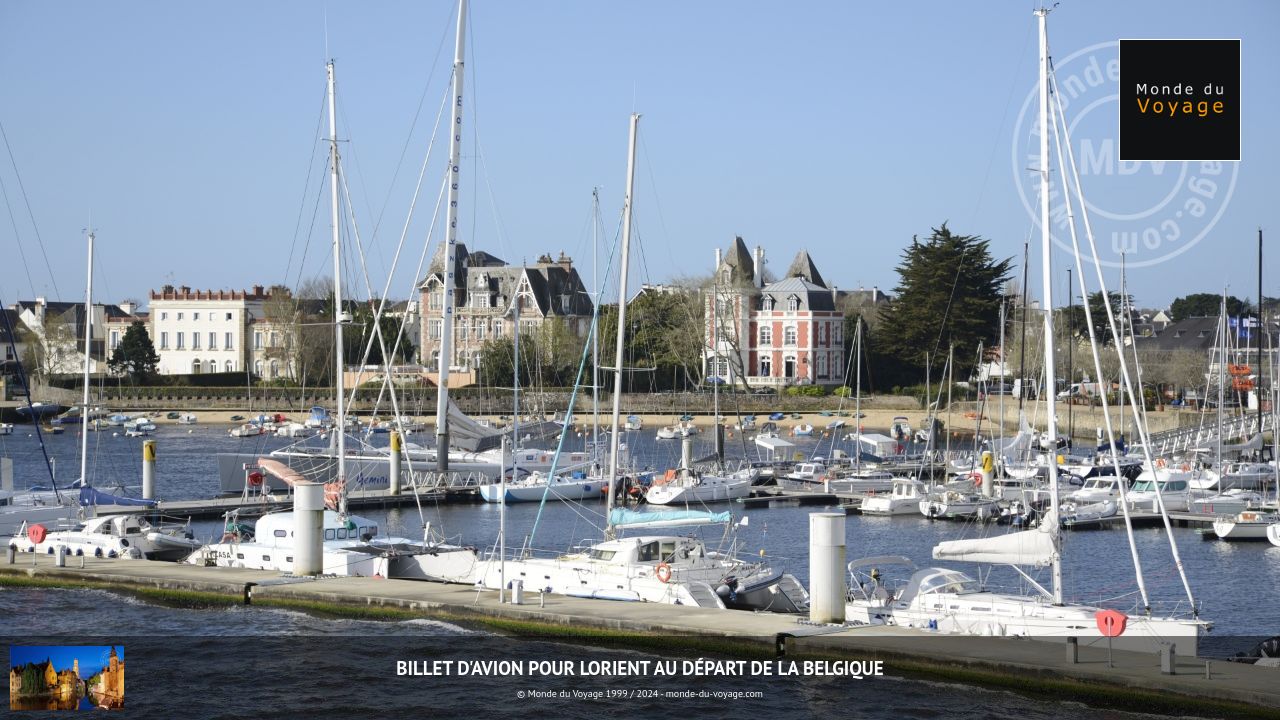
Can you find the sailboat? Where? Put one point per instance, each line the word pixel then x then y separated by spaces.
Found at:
pixel 678 570
pixel 351 544
pixel 948 601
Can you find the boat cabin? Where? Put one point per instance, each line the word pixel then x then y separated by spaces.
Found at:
pixel 649 549
pixel 277 529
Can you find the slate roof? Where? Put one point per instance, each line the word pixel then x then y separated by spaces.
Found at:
pixel 813 297
pixel 804 267
pixel 738 262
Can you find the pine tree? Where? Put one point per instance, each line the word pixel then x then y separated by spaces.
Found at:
pixel 949 291
pixel 135 355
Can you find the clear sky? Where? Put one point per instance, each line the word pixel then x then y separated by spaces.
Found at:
pixel 92 657
pixel 187 134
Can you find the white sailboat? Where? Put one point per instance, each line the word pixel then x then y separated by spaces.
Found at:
pixel 649 568
pixel 111 536
pixel 948 601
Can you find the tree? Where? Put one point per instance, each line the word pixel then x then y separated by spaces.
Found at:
pixel 1205 305
pixel 135 356
pixel 949 291
pixel 1073 317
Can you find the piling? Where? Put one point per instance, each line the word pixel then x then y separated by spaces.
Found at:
pixel 308 518
pixel 149 470
pixel 826 567
pixel 395 462
pixel 686 452
pixel 988 474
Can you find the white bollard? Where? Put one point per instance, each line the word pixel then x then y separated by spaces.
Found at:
pixel 308 517
pixel 686 453
pixel 394 479
pixel 60 556
pixel 826 567
pixel 517 592
pixel 988 474
pixel 149 470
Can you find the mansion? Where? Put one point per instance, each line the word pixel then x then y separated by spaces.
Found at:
pixel 788 332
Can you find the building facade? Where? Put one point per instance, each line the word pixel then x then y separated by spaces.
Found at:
pixel 486 289
pixel 204 331
pixel 787 332
pixel 56 332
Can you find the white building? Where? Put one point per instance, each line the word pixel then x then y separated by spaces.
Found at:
pixel 58 329
pixel 204 331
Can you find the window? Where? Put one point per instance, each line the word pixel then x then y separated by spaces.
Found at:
pixel 164 341
pixel 766 334
pixel 480 299
pixel 766 303
pixel 435 300
pixel 257 341
pixel 789 336
pixel 329 534
pixel 789 367
pixel 195 341
pixel 228 316
pixel 497 328
pixel 766 367
pixel 793 303
pixel 229 367
pixel 280 533
pixel 275 339
pixel 213 341
pixel 822 365
pixel 179 346
pixel 462 330
pixel 115 339
pixel 226 341
pixel 213 366
pixel 257 368
pixel 433 329
pixel 195 367
pixel 195 316
pixel 342 533
pixel 179 316
pixel 164 316
pixel 839 332
pixel 275 368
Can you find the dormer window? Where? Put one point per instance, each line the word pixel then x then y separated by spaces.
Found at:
pixel 793 303
pixel 564 302
pixel 766 304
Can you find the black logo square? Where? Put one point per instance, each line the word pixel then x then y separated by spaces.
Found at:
pixel 1180 100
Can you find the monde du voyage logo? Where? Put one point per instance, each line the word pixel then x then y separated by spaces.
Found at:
pixel 1159 182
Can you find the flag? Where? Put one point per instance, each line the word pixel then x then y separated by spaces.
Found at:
pixel 745 520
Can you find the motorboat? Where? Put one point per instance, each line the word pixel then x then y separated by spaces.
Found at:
pixel 124 536
pixel 294 430
pixel 677 570
pixel 1099 488
pixel 1173 487
pixel 1246 476
pixel 802 430
pixel 903 500
pixel 746 424
pixel 957 501
pixel 633 422
pixel 246 430
pixel 691 486
pixel 682 429
pixel 1245 525
pixel 1231 502
pixel 187 419
pixel 6 428
pixel 1076 514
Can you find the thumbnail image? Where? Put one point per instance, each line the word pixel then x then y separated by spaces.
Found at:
pixel 66 677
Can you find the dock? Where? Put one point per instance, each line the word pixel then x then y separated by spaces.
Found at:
pixel 262 504
pixel 1201 685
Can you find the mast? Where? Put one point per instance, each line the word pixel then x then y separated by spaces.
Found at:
pixel 451 247
pixel 1257 387
pixel 1222 374
pixel 1022 346
pixel 1071 346
pixel 622 318
pixel 1046 242
pixel 857 393
pixel 595 333
pixel 1004 373
pixel 338 317
pixel 88 340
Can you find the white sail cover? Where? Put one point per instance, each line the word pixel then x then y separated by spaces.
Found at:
pixel 1019 444
pixel 1028 547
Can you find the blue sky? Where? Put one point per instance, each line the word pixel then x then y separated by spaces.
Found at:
pixel 92 657
pixel 187 132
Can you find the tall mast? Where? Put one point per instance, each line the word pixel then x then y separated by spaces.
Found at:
pixel 88 340
pixel 1046 243
pixel 857 392
pixel 338 318
pixel 622 317
pixel 595 330
pixel 451 247
pixel 1071 346
pixel 1257 386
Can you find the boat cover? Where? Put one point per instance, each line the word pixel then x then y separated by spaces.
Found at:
pixel 92 496
pixel 623 518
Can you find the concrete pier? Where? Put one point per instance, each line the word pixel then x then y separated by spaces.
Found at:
pixel 1202 687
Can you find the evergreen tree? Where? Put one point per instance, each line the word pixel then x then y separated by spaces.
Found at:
pixel 949 291
pixel 135 355
pixel 1206 305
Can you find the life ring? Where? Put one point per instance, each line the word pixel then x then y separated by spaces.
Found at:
pixel 977 479
pixel 663 572
pixel 1160 462
pixel 1185 467
pixel 255 479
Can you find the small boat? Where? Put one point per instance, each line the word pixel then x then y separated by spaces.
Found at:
pixel 682 430
pixel 237 418
pixel 746 423
pixel 1273 534
pixel 186 419
pixel 634 422
pixel 904 500
pixel 685 486
pixel 1078 515
pixel 141 425
pixel 39 411
pixel 535 485
pixel 246 430
pixel 53 429
pixel 802 430
pixel 6 428
pixel 118 420
pixel 294 430
pixel 1247 525
pixel 900 430
pixel 172 415
pixel 777 416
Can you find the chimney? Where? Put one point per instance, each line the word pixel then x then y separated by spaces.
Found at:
pixel 186 289
pixel 257 290
pixel 835 295
pixel 759 267
pixel 718 259
pixel 128 307
pixel 875 294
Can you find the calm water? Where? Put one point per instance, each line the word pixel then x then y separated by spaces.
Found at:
pixel 1234 582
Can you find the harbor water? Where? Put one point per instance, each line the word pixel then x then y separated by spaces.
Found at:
pixel 1229 580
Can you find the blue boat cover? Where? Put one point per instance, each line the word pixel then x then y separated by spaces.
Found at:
pixel 92 496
